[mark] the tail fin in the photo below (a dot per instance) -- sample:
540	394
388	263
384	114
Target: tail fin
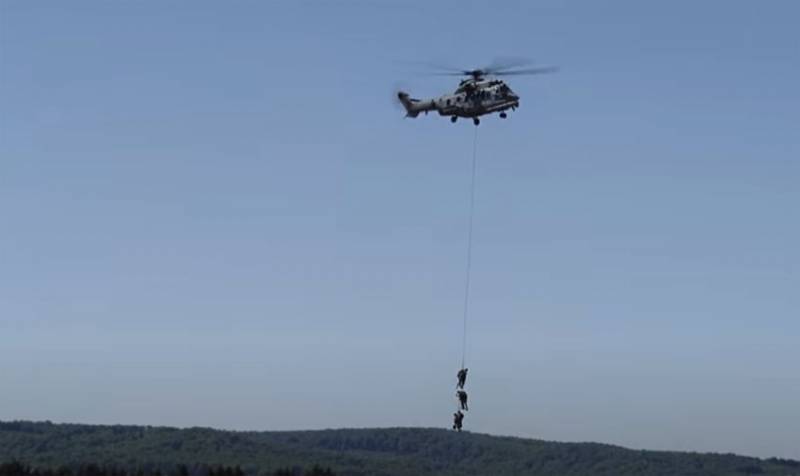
409	104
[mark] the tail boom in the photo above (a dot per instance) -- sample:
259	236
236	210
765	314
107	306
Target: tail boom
414	106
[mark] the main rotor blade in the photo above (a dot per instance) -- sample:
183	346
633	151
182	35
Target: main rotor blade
460	73
543	70
504	63
499	67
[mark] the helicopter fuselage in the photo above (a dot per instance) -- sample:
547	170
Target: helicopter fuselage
472	99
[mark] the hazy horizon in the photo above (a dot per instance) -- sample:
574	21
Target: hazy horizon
221	202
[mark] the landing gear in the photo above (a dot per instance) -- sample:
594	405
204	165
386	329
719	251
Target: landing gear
453	119
503	115
476	121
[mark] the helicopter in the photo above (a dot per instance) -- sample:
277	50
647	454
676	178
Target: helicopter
478	94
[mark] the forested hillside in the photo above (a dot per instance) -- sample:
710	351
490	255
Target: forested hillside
390	451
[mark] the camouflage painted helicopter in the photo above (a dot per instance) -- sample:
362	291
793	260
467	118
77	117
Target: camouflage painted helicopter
479	94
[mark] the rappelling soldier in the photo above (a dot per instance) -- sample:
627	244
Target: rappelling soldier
458	419
462	399
462	378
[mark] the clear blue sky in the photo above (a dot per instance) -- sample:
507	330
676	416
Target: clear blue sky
211	214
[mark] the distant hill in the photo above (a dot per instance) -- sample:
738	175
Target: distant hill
374	452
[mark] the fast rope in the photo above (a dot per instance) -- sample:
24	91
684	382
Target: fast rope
461	404
469	246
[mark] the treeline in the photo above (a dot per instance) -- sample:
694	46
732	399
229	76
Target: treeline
16	468
149	450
